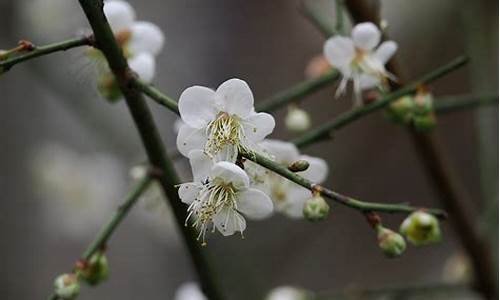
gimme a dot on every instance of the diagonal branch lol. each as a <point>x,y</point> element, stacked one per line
<point>325,130</point>
<point>6,65</point>
<point>105,41</point>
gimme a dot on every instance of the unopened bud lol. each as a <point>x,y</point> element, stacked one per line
<point>316,209</point>
<point>96,270</point>
<point>391,243</point>
<point>138,172</point>
<point>421,228</point>
<point>108,88</point>
<point>66,286</point>
<point>298,165</point>
<point>401,110</point>
<point>317,67</point>
<point>424,123</point>
<point>424,102</point>
<point>297,119</point>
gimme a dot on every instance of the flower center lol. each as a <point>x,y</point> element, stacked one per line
<point>224,130</point>
<point>213,197</point>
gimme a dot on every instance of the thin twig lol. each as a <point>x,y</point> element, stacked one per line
<point>7,64</point>
<point>342,120</point>
<point>156,95</point>
<point>448,104</point>
<point>361,206</point>
<point>102,238</point>
<point>297,92</point>
<point>105,41</point>
<point>339,16</point>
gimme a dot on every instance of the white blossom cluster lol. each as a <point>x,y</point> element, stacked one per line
<point>217,124</point>
<point>141,42</point>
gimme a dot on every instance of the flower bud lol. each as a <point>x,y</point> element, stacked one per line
<point>317,67</point>
<point>297,119</point>
<point>66,286</point>
<point>298,165</point>
<point>391,243</point>
<point>421,228</point>
<point>401,111</point>
<point>96,270</point>
<point>316,209</point>
<point>108,88</point>
<point>423,102</point>
<point>424,123</point>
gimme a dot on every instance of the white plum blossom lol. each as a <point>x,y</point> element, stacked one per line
<point>221,122</point>
<point>189,291</point>
<point>219,193</point>
<point>140,41</point>
<point>358,57</point>
<point>288,197</point>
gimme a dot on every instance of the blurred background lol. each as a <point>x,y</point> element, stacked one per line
<point>66,153</point>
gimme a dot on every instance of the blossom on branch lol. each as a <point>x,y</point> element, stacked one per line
<point>140,41</point>
<point>219,193</point>
<point>221,122</point>
<point>358,57</point>
<point>288,197</point>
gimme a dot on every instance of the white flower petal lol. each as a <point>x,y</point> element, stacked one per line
<point>227,172</point>
<point>294,203</point>
<point>366,36</point>
<point>386,50</point>
<point>189,139</point>
<point>258,125</point>
<point>189,291</point>
<point>367,81</point>
<point>201,164</point>
<point>146,37</point>
<point>235,97</point>
<point>228,221</point>
<point>283,152</point>
<point>197,106</point>
<point>144,65</point>
<point>254,204</point>
<point>120,14</point>
<point>228,153</point>
<point>189,191</point>
<point>317,171</point>
<point>340,51</point>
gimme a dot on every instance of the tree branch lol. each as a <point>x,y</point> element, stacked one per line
<point>342,120</point>
<point>297,92</point>
<point>444,181</point>
<point>105,41</point>
<point>361,206</point>
<point>156,95</point>
<point>450,104</point>
<point>6,65</point>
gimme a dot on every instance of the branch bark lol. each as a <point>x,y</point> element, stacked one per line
<point>105,41</point>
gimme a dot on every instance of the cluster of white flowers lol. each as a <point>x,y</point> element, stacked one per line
<point>360,58</point>
<point>216,126</point>
<point>140,41</point>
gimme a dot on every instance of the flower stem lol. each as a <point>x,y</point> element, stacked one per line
<point>297,92</point>
<point>105,41</point>
<point>342,120</point>
<point>6,65</point>
<point>339,16</point>
<point>361,206</point>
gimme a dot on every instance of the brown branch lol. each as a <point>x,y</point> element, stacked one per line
<point>442,178</point>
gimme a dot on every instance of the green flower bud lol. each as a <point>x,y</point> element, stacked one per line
<point>424,102</point>
<point>391,243</point>
<point>66,286</point>
<point>421,228</point>
<point>299,165</point>
<point>96,269</point>
<point>316,209</point>
<point>401,111</point>
<point>109,89</point>
<point>424,123</point>
<point>297,119</point>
